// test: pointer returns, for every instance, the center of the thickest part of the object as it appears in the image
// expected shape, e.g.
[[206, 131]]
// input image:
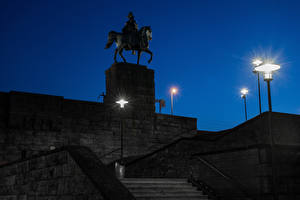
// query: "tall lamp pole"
[[256, 63], [173, 91], [244, 92], [122, 103], [267, 69]]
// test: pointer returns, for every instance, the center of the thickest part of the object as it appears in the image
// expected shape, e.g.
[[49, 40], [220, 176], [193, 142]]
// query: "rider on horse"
[[131, 39], [131, 31]]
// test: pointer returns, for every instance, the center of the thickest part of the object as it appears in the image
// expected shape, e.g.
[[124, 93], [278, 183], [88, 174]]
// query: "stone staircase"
[[162, 189]]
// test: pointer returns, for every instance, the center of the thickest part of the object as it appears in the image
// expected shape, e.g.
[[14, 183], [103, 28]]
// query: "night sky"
[[205, 48]]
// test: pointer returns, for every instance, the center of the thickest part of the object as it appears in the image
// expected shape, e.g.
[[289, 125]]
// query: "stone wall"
[[243, 154], [69, 173], [35, 123], [53, 176]]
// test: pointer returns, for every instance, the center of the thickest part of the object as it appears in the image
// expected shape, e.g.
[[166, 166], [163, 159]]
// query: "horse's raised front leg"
[[120, 53], [148, 51], [115, 56], [139, 55]]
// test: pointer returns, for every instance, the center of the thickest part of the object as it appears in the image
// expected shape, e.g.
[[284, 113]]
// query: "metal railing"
[[228, 178], [202, 186], [109, 153]]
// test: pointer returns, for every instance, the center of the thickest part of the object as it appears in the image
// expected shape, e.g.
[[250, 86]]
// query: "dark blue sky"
[[203, 47]]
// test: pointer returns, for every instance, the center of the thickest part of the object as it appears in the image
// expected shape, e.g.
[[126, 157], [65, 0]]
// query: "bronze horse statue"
[[136, 42]]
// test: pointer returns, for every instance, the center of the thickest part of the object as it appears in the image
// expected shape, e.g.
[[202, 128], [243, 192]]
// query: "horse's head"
[[147, 31]]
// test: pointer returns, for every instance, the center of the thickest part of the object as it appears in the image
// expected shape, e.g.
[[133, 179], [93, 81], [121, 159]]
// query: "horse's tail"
[[112, 36]]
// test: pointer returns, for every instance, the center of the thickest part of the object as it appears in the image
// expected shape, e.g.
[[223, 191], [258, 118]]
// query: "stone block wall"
[[35, 123], [133, 82], [53, 176]]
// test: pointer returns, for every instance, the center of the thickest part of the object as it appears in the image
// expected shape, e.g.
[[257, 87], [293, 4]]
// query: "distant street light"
[[244, 92], [173, 91], [256, 63], [122, 103], [267, 69]]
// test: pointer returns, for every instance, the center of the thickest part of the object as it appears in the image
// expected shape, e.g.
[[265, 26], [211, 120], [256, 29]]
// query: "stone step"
[[170, 196], [169, 189], [162, 189], [147, 185], [161, 185], [154, 180], [171, 193], [173, 198]]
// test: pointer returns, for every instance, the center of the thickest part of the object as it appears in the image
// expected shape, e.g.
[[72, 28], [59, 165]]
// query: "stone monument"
[[131, 39], [133, 82]]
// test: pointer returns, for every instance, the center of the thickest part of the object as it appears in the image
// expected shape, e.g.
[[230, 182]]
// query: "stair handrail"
[[109, 153], [201, 185], [234, 182]]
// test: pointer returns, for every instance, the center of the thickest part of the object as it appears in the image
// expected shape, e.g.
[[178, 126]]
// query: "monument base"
[[133, 83]]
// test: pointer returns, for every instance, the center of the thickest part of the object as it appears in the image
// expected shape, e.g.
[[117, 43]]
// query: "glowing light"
[[257, 62], [122, 102], [174, 90], [268, 76], [244, 92], [267, 68]]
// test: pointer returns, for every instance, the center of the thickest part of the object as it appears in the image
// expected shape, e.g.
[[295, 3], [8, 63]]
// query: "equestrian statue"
[[131, 39]]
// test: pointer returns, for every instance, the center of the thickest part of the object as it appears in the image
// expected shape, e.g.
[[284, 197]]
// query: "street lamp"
[[173, 91], [256, 63], [120, 169], [244, 92], [122, 103], [267, 69]]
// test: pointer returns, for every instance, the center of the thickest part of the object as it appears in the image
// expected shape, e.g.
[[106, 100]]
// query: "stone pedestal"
[[133, 82]]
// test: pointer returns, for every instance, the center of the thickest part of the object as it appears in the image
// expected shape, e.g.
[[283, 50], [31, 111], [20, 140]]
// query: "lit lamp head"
[[256, 62], [244, 92], [122, 102], [173, 90], [267, 69]]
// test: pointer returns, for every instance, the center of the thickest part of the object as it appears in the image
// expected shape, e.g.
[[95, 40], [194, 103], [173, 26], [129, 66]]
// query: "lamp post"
[[122, 103], [267, 69], [244, 92], [256, 63], [119, 167], [173, 91]]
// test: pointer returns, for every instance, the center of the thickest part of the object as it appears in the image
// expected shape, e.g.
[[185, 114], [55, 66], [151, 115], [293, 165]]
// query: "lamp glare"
[[257, 62], [267, 68], [244, 91], [173, 90], [122, 102]]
